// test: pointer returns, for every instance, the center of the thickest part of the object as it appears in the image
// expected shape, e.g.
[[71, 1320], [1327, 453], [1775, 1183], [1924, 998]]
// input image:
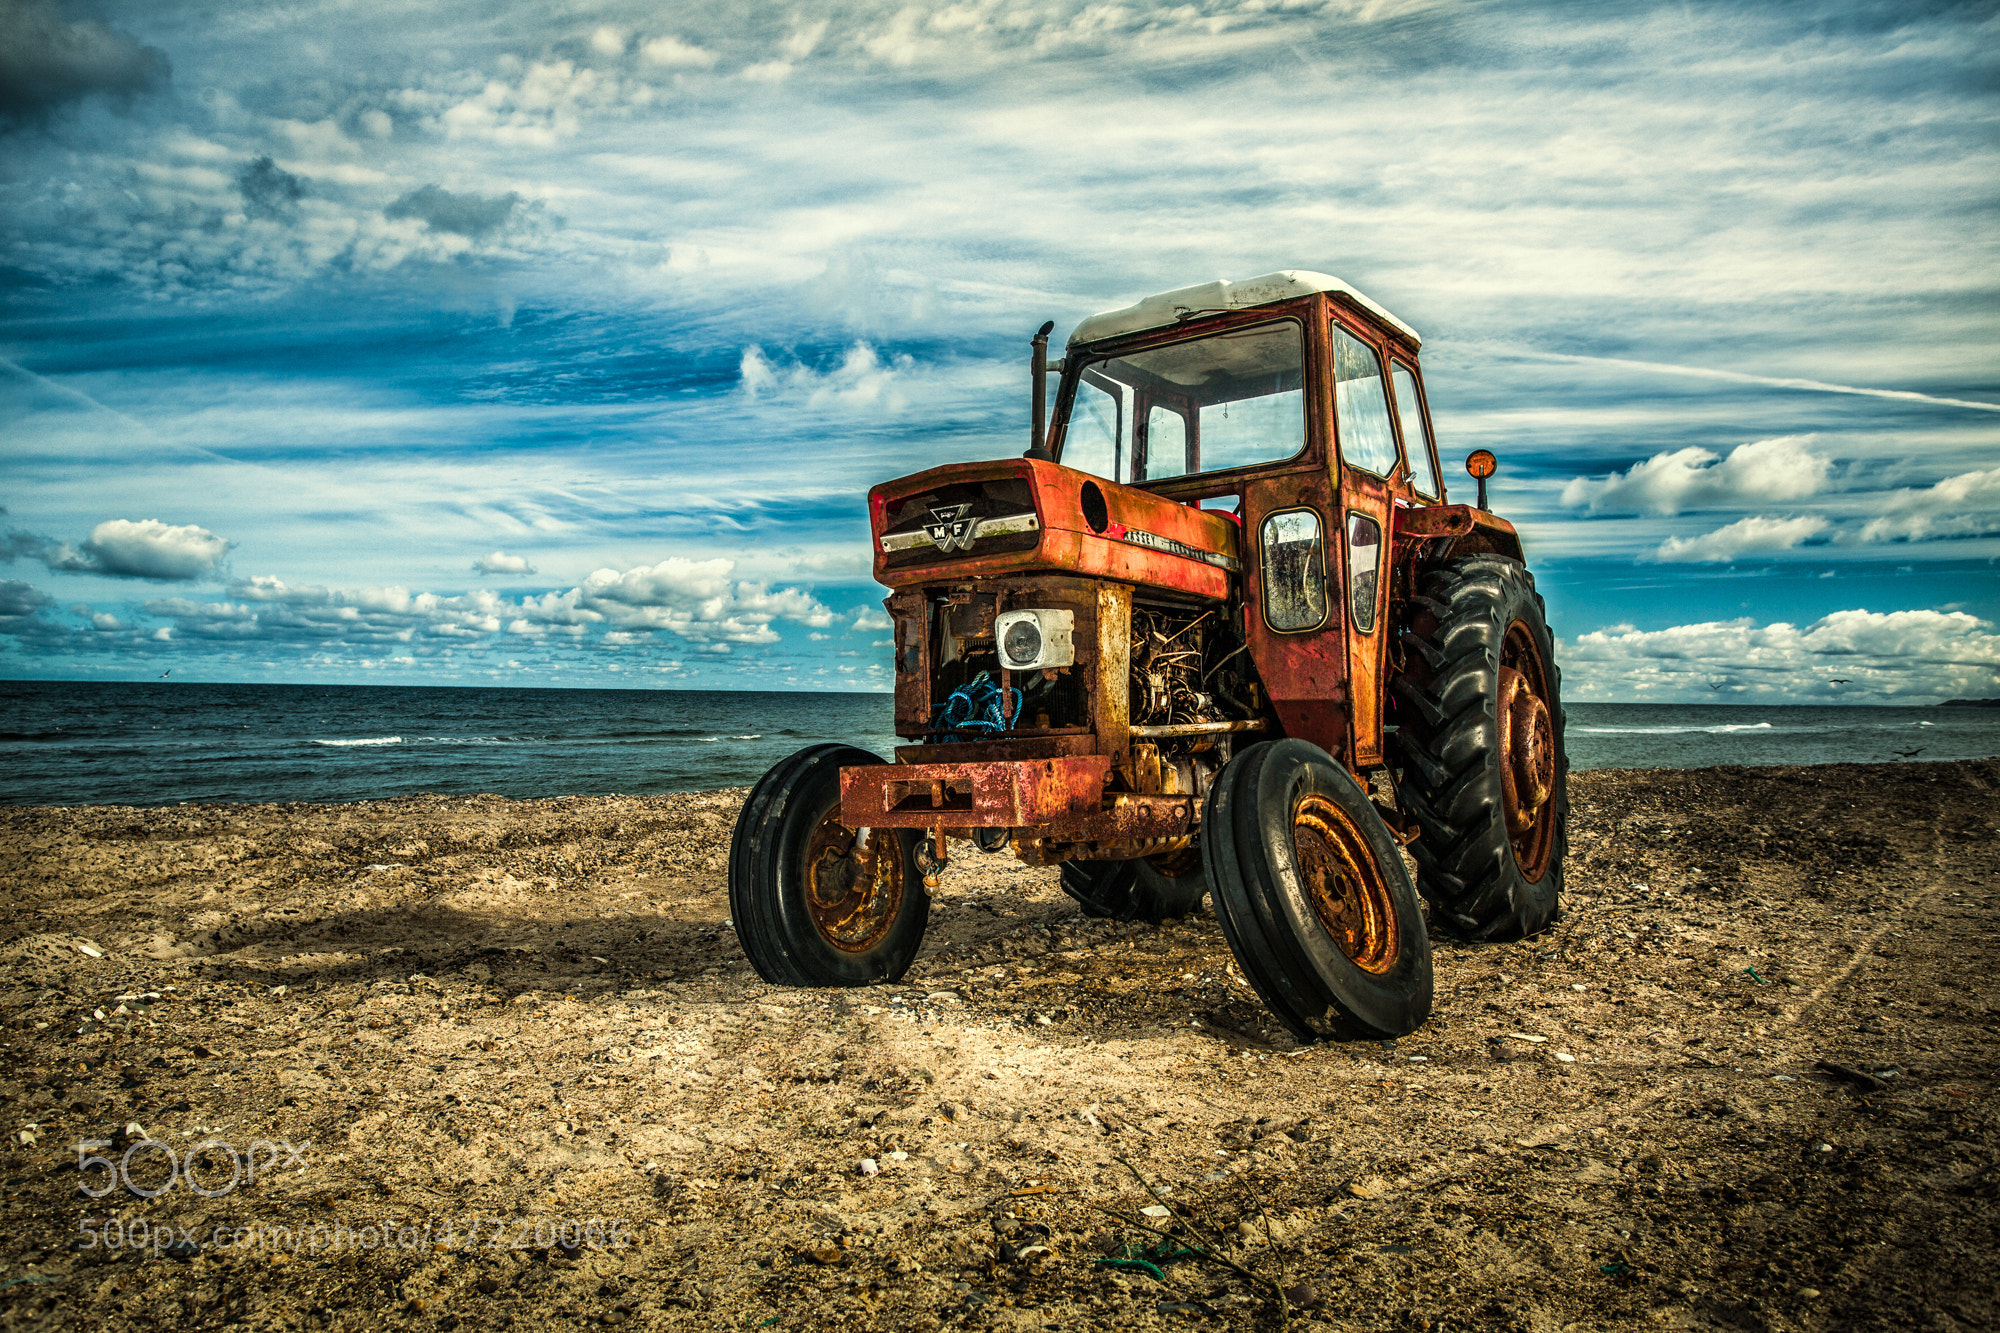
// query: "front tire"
[[814, 902], [1312, 896], [1480, 735]]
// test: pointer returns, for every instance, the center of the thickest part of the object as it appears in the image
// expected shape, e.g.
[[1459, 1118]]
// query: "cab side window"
[[1416, 439], [1294, 571], [1361, 406], [1099, 426], [1166, 449]]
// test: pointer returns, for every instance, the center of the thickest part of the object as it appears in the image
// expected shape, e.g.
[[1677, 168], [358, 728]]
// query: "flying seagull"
[[1911, 754], [1713, 686], [168, 672], [1840, 680]]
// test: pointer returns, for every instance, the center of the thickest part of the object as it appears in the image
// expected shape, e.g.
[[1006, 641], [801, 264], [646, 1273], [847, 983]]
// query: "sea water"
[[1701, 736], [158, 743]]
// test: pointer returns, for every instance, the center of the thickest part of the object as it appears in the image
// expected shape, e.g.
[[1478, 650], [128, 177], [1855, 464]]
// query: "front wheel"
[[816, 903], [1312, 896], [1484, 771]]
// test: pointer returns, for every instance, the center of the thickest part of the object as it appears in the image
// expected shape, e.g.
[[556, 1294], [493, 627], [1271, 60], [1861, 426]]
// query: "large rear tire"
[[1312, 896], [1480, 736], [1146, 889], [814, 902]]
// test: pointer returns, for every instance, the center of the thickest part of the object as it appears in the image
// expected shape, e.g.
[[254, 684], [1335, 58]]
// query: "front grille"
[[1006, 504]]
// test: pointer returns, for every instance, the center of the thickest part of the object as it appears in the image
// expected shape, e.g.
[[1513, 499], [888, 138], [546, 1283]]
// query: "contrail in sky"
[[78, 396], [1817, 386]]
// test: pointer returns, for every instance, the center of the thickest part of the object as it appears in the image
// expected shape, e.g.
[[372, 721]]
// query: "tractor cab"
[[1293, 404]]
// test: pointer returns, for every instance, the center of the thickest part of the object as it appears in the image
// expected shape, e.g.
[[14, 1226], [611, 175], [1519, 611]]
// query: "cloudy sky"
[[531, 343]]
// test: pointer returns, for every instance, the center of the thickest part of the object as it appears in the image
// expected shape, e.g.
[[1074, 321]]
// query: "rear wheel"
[[1313, 897], [816, 903], [1152, 888], [1480, 735]]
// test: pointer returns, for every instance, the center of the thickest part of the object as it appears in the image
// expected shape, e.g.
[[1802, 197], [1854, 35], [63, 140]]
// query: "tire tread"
[[1450, 781]]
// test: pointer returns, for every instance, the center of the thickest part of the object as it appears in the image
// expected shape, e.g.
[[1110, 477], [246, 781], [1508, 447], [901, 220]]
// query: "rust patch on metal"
[[976, 794], [1347, 889], [1055, 801]]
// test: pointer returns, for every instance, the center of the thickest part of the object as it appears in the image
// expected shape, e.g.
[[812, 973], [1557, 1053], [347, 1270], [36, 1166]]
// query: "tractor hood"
[[977, 520]]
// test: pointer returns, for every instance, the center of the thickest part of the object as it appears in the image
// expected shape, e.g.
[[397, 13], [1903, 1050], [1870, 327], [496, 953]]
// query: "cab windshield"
[[1232, 399]]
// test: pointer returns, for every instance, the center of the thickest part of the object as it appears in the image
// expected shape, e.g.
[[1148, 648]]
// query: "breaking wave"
[[1676, 731]]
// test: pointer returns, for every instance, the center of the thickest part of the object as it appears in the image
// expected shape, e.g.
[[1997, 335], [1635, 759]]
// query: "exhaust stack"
[[1038, 372]]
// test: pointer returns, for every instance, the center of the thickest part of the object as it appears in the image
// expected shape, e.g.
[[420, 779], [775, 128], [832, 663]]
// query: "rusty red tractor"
[[1217, 632]]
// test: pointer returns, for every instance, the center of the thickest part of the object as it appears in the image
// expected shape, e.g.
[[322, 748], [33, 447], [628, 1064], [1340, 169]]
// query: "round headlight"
[[1023, 643]]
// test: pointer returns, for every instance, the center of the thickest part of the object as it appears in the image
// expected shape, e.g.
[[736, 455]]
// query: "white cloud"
[[794, 49], [609, 41], [804, 39], [694, 600], [1894, 656], [755, 374], [869, 617], [1961, 506], [861, 380], [698, 601], [899, 43], [540, 109], [1759, 472], [121, 548], [1747, 536], [150, 549], [673, 53], [499, 562], [674, 580]]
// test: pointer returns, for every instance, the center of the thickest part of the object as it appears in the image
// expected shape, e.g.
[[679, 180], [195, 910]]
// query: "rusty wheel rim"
[[854, 883], [1347, 889], [1527, 752]]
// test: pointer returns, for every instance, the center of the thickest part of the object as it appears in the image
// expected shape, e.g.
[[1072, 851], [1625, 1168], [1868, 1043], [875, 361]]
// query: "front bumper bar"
[[1061, 798]]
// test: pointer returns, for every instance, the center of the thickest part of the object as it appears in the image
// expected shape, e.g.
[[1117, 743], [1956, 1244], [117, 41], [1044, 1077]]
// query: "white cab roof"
[[1168, 308]]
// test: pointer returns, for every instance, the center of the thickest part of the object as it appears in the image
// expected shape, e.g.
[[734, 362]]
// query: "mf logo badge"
[[950, 530]]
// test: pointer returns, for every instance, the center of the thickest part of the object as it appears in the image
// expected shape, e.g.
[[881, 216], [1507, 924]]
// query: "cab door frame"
[[1366, 497]]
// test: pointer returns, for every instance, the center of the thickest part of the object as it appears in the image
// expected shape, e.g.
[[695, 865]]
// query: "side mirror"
[[1482, 465]]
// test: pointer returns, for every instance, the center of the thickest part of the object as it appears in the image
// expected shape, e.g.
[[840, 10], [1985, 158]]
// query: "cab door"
[[1294, 621], [1370, 477]]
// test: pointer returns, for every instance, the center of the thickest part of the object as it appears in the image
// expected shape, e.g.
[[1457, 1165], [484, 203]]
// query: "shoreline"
[[12, 807]]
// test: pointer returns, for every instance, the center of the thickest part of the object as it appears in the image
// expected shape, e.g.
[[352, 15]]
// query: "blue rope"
[[975, 707]]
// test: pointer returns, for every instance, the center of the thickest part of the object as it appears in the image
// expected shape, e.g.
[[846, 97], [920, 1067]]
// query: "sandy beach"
[[500, 1063]]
